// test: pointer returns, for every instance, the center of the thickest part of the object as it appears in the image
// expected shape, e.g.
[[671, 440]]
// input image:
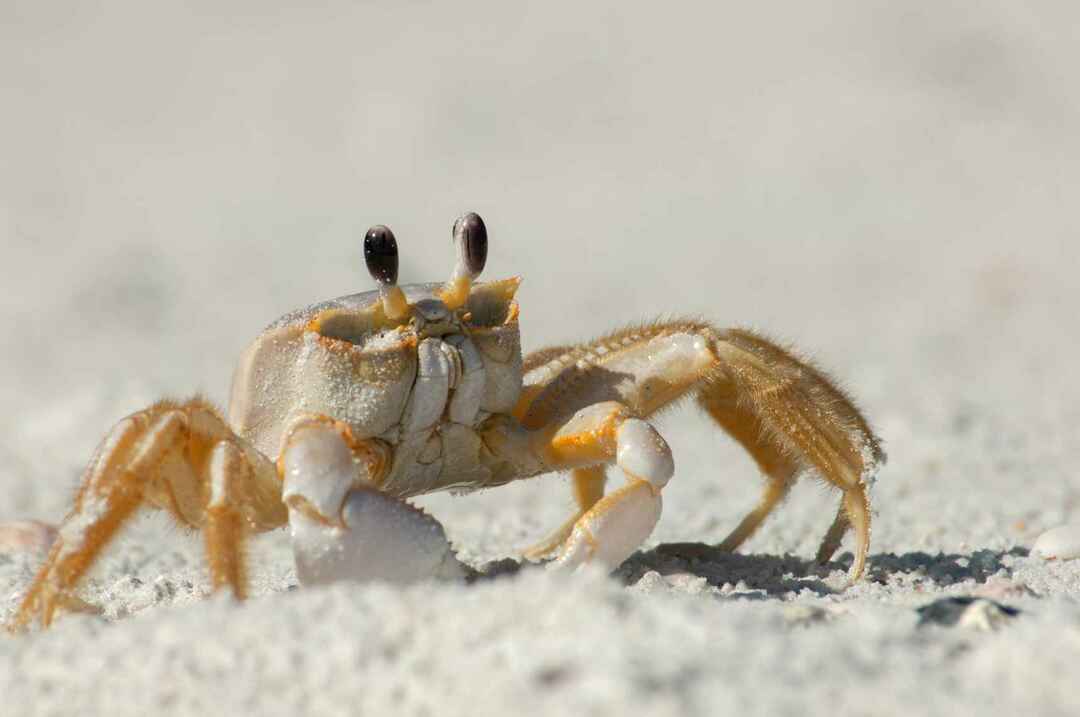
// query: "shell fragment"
[[1060, 543]]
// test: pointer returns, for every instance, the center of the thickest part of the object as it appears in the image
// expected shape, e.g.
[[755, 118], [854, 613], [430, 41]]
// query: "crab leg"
[[343, 527], [180, 457], [780, 470], [788, 415], [230, 476], [613, 528]]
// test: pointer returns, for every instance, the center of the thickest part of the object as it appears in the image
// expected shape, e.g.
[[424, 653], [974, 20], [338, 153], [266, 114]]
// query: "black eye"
[[471, 237], [380, 254]]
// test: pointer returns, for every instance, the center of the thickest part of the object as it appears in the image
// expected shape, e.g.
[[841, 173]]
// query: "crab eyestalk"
[[381, 257], [470, 238]]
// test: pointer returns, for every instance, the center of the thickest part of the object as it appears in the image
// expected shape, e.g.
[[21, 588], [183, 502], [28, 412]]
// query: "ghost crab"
[[342, 410]]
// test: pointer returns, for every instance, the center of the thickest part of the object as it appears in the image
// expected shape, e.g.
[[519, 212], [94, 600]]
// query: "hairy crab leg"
[[780, 470], [343, 527], [831, 542], [802, 415], [788, 415], [158, 457], [230, 477]]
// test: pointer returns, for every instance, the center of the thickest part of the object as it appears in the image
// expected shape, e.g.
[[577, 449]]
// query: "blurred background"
[[888, 186]]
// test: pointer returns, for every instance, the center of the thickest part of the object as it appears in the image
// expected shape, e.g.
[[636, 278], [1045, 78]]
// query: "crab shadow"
[[760, 577], [768, 576]]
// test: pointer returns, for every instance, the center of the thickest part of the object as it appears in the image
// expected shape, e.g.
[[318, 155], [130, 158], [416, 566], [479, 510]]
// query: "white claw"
[[318, 468], [612, 530], [643, 453], [344, 530], [615, 527], [382, 539]]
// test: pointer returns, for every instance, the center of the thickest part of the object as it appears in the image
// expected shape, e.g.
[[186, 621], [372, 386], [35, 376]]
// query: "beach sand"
[[887, 188]]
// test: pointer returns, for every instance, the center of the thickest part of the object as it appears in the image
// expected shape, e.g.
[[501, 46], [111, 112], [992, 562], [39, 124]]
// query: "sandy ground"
[[887, 186]]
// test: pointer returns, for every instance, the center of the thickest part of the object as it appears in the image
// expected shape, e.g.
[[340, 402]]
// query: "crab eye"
[[470, 235], [380, 254]]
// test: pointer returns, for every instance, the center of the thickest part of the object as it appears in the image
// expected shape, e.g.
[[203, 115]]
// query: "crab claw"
[[343, 528], [381, 538]]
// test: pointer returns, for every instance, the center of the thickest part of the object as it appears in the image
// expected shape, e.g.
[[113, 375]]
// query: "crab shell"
[[422, 384]]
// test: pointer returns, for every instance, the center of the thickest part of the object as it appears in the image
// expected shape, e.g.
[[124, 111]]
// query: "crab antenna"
[[381, 257], [470, 238]]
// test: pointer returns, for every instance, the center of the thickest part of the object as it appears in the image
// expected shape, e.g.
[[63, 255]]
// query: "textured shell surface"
[[421, 386]]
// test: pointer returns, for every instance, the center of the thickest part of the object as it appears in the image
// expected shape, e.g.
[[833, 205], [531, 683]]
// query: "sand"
[[887, 188]]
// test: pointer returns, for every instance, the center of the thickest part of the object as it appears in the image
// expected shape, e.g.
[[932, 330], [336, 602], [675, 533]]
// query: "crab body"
[[342, 410], [424, 388]]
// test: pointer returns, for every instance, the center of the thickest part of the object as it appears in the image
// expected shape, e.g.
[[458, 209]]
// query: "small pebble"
[[687, 583], [998, 588], [1060, 543], [803, 615], [26, 536], [968, 612], [650, 582]]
